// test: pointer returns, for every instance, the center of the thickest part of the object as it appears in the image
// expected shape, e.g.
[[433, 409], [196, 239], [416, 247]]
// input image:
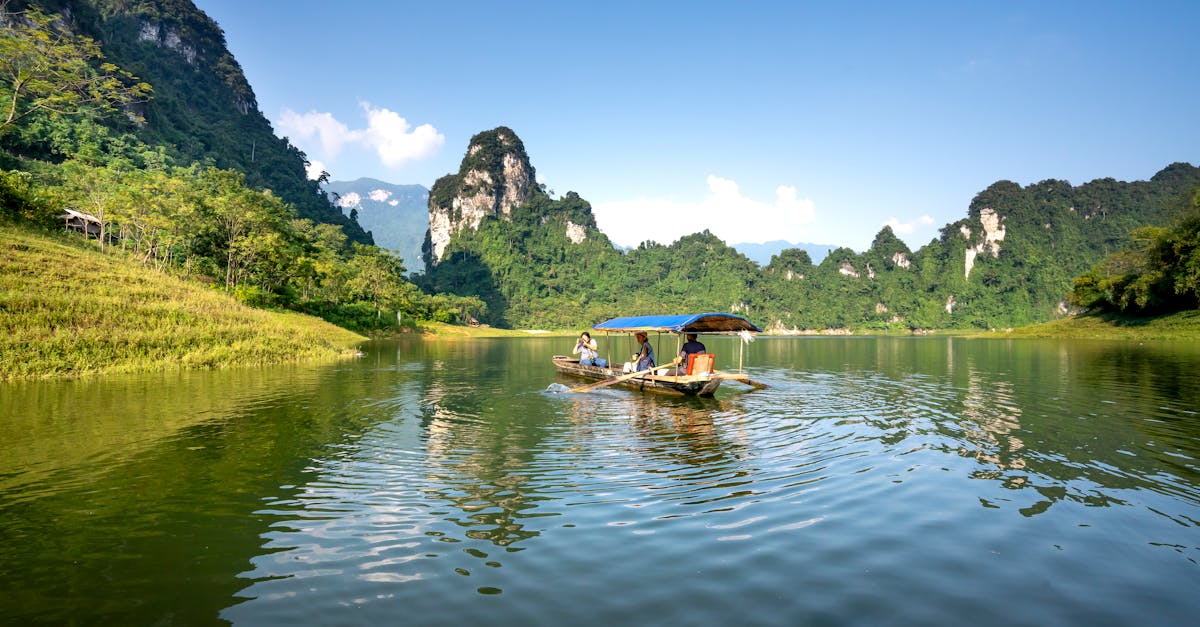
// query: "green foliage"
[[205, 223], [203, 110], [531, 275], [45, 68], [1159, 273], [22, 200]]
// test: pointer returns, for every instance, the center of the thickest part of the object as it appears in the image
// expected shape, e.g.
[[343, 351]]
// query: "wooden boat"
[[697, 378]]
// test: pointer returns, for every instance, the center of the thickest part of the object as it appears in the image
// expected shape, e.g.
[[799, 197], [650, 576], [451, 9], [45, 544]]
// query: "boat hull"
[[685, 385]]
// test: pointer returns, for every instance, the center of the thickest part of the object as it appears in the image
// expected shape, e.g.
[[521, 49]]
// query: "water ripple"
[[806, 500]]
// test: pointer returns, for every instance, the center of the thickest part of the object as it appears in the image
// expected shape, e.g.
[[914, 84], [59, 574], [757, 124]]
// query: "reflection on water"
[[884, 481]]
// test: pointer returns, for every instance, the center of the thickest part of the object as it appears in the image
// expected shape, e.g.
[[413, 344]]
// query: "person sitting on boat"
[[586, 348], [690, 347], [644, 360]]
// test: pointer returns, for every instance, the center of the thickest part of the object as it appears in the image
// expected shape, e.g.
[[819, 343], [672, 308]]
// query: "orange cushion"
[[700, 363]]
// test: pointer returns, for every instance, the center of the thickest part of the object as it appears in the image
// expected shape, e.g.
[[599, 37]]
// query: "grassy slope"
[[67, 310], [1183, 326]]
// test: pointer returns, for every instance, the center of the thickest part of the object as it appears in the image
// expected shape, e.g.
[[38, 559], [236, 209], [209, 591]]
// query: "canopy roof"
[[712, 322]]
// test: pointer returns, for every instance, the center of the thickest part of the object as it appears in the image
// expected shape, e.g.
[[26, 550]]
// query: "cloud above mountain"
[[904, 228], [390, 136], [724, 211]]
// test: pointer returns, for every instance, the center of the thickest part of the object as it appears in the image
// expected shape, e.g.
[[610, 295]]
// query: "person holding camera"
[[586, 348]]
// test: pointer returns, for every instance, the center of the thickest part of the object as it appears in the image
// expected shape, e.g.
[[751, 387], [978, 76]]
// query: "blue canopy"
[[712, 322]]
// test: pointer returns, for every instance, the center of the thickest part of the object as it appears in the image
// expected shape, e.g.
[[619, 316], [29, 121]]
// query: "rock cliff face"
[[495, 176], [993, 234]]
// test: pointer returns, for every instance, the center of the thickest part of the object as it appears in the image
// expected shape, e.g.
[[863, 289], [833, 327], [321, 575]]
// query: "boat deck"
[[689, 385]]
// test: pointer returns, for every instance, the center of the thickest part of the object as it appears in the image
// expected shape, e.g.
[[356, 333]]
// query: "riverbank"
[[440, 330], [67, 310], [1180, 326]]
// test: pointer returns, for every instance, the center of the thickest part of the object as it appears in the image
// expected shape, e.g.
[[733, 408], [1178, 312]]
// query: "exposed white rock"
[[485, 199], [168, 39], [993, 234], [575, 232], [950, 304], [901, 260], [148, 32], [848, 270]]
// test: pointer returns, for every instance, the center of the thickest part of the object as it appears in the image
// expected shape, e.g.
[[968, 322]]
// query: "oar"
[[625, 377], [755, 384]]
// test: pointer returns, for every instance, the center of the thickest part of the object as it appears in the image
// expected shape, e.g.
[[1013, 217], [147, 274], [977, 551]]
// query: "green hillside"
[[136, 164], [202, 109], [67, 309]]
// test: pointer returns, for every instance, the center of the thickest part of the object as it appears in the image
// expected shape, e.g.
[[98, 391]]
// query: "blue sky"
[[810, 122]]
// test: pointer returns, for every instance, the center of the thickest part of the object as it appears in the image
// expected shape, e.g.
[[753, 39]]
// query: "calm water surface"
[[878, 481]]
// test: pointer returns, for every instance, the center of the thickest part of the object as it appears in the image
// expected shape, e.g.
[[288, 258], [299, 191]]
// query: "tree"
[[1160, 272], [45, 68], [379, 277], [95, 190]]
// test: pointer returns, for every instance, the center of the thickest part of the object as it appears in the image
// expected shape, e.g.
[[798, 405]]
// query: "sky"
[[810, 122]]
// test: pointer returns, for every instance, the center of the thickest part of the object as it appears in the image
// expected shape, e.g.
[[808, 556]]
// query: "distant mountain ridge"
[[762, 253], [396, 216]]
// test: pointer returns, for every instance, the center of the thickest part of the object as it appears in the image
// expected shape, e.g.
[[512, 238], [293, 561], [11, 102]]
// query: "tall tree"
[[46, 68]]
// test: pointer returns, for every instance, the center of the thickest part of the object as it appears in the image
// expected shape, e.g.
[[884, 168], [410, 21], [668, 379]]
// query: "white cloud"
[[898, 226], [314, 170], [303, 126], [724, 211], [394, 141], [351, 199], [379, 195], [906, 228]]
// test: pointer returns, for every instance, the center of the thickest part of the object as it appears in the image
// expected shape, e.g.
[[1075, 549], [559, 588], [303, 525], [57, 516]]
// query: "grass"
[[1180, 326], [68, 310]]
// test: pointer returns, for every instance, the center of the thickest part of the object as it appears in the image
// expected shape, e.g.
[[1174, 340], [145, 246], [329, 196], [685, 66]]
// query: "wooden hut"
[[81, 222]]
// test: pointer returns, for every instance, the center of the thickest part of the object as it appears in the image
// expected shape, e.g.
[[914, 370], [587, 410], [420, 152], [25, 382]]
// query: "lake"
[[877, 481]]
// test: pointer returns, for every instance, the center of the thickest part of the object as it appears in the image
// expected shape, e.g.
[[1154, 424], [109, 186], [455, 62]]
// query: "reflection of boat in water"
[[698, 377]]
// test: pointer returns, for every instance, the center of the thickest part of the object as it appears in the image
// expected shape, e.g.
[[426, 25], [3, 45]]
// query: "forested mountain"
[[537, 261], [203, 110], [396, 216]]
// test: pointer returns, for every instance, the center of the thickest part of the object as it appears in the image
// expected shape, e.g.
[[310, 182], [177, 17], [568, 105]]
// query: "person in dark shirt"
[[691, 347]]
